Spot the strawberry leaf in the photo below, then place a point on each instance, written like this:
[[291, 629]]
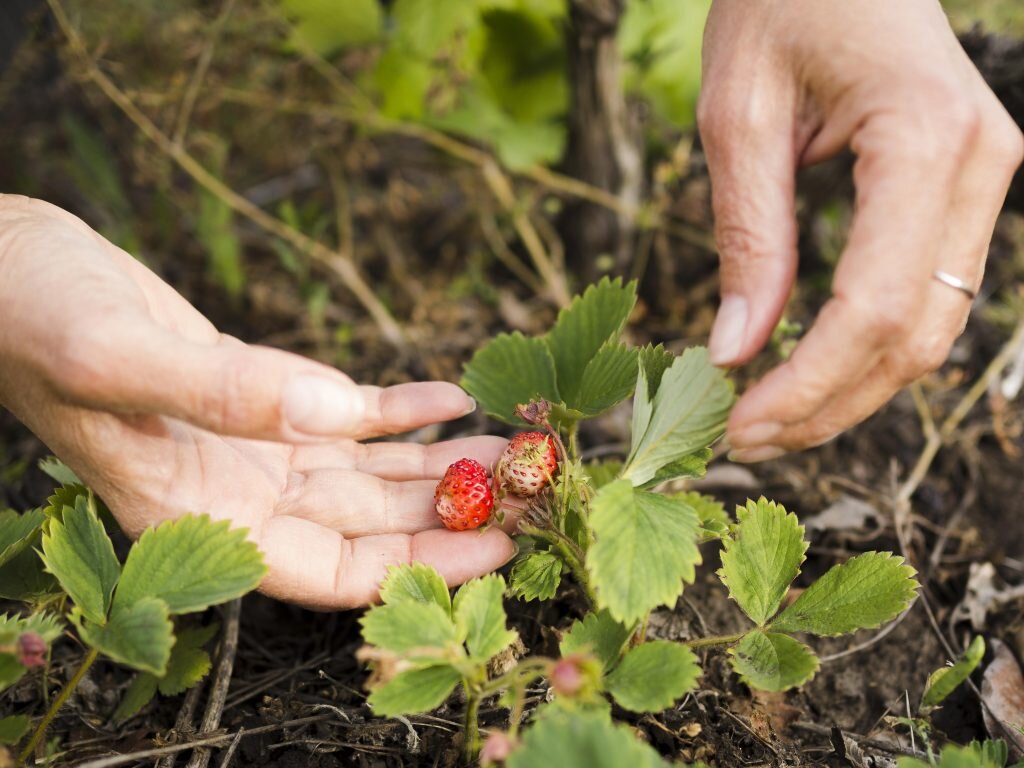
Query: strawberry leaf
[[191, 563], [47, 625], [139, 694], [536, 576], [414, 691], [773, 662], [409, 626], [762, 557], [644, 548], [23, 578], [862, 593], [608, 379], [13, 728], [652, 676], [79, 553], [139, 635], [59, 471], [189, 660], [687, 413], [582, 330], [326, 27], [944, 681], [17, 532], [511, 369], [417, 582], [480, 617], [599, 634]]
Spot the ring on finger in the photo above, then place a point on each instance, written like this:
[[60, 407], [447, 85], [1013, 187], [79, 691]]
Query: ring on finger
[[955, 282]]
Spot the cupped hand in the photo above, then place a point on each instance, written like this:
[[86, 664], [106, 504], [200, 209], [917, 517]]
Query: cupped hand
[[162, 415], [791, 83]]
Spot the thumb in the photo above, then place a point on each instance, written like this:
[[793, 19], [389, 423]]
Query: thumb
[[226, 387], [752, 168]]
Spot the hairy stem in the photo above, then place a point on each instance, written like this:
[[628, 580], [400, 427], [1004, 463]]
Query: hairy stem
[[705, 642], [471, 728], [40, 730]]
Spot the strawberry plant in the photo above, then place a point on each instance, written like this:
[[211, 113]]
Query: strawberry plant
[[629, 547], [60, 561]]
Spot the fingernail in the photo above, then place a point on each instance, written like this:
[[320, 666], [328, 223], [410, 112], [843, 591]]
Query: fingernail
[[729, 330], [472, 406], [751, 455], [316, 405], [756, 434]]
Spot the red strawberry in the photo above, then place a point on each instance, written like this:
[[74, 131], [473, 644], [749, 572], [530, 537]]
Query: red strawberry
[[463, 497], [528, 463]]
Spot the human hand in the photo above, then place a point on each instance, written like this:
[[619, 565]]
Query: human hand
[[162, 415], [791, 83]]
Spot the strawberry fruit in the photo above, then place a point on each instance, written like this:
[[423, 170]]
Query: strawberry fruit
[[528, 463], [463, 498]]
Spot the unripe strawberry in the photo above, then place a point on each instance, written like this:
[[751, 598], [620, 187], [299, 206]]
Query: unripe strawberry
[[31, 650], [529, 462], [497, 748], [463, 498], [576, 676]]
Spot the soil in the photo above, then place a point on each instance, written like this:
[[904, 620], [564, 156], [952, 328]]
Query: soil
[[417, 221]]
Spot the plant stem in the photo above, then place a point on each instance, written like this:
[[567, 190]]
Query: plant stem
[[571, 554], [471, 728], [574, 429], [704, 642], [40, 730]]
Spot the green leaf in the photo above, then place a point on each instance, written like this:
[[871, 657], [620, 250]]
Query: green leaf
[[583, 328], [687, 413], [510, 370], [536, 576], [326, 26], [408, 626], [955, 757], [762, 557], [710, 511], [13, 728], [424, 26], [11, 670], [608, 379], [599, 634], [215, 230], [17, 532], [80, 554], [191, 563], [414, 691], [600, 473], [653, 675], [189, 662], [645, 547], [47, 625], [139, 694], [773, 662], [655, 360], [24, 578], [862, 593], [582, 739], [403, 80], [65, 496], [480, 617], [139, 635], [944, 681], [417, 582], [59, 471], [695, 465]]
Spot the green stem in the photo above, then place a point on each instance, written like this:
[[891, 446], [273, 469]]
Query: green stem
[[40, 730], [471, 730], [574, 450], [519, 675], [704, 642], [571, 554]]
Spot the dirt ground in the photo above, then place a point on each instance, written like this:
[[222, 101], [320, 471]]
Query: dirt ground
[[423, 231]]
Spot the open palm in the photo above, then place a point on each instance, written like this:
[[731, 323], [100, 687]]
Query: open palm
[[163, 415]]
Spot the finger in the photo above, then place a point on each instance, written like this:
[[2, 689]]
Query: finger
[[751, 158], [880, 285], [398, 461], [319, 568], [357, 504], [404, 407]]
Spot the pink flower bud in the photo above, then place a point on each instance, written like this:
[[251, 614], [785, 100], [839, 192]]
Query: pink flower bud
[[31, 650], [497, 748]]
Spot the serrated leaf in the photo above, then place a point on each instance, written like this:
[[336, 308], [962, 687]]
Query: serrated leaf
[[24, 578], [47, 625], [862, 593], [599, 634], [584, 327], [694, 466], [480, 616], [944, 681], [600, 473], [17, 532], [418, 582], [710, 511], [189, 662], [687, 413], [608, 379], [582, 739], [140, 692], [536, 576], [414, 691], [59, 471], [65, 496], [139, 635], [79, 553], [770, 661], [655, 360], [408, 626], [509, 370], [191, 563], [13, 728], [762, 557], [652, 676], [644, 549]]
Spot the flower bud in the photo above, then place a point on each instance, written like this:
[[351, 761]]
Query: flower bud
[[497, 748], [577, 675], [31, 650], [534, 412]]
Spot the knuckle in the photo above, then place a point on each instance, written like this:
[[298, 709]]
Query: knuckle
[[940, 122], [80, 365], [885, 319], [235, 402], [923, 357], [1005, 142]]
